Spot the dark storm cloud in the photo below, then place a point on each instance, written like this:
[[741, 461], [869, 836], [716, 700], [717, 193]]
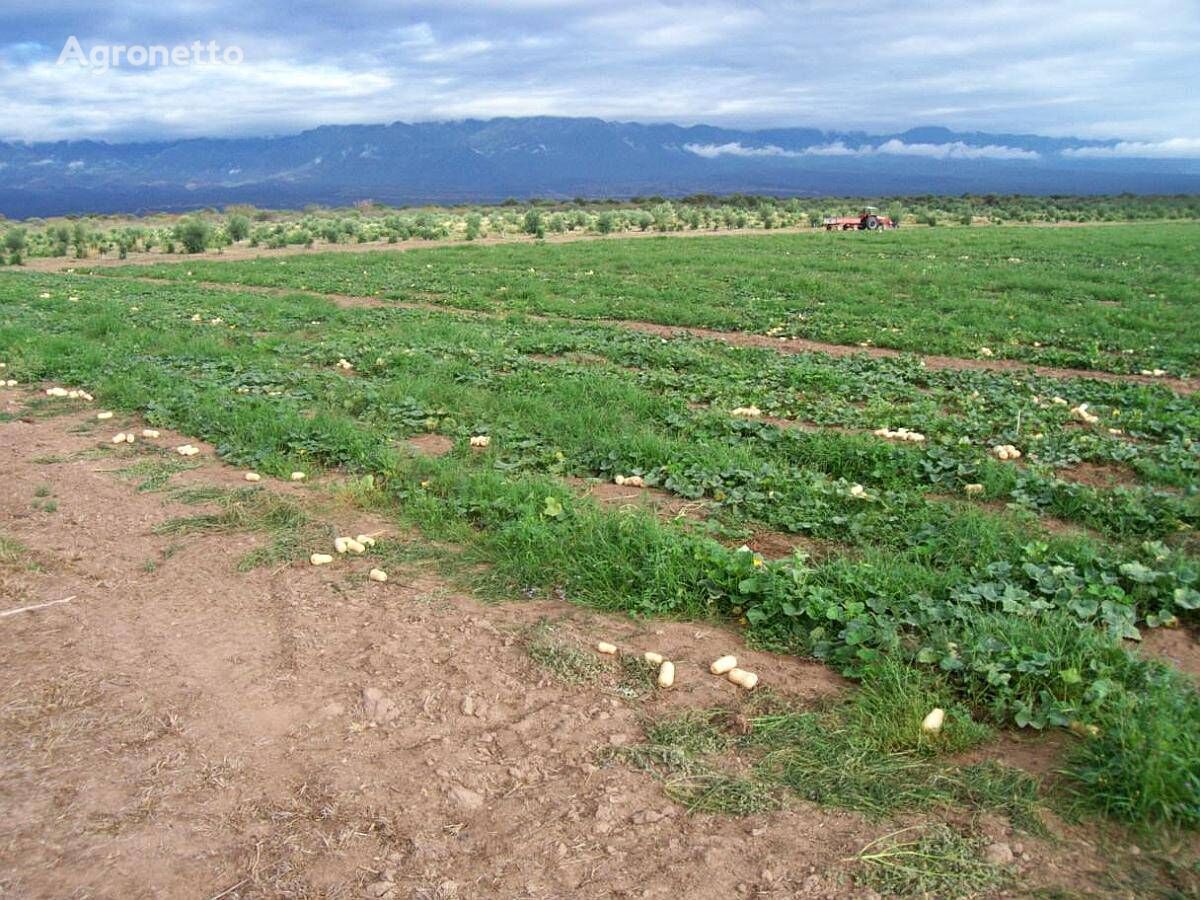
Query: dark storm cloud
[[1094, 69]]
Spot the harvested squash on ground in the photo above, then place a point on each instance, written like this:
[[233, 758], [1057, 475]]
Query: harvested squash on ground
[[743, 679], [723, 665], [666, 674]]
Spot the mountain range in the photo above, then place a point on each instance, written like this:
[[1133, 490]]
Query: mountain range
[[469, 161]]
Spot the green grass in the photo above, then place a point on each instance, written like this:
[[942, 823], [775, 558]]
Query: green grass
[[1081, 297], [928, 861], [153, 473], [716, 760], [1144, 765], [625, 675], [292, 533], [12, 551], [984, 605]]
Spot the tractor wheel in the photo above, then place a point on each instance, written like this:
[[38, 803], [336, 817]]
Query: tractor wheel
[[871, 223]]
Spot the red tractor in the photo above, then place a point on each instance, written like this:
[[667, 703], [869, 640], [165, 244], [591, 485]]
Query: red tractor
[[868, 220]]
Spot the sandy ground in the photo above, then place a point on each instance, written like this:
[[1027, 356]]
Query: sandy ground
[[180, 729]]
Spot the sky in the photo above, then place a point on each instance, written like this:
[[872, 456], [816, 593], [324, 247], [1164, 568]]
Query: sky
[[1094, 69]]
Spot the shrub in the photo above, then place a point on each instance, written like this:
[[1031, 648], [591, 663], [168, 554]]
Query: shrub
[[14, 242], [237, 227], [532, 223], [474, 223], [193, 233]]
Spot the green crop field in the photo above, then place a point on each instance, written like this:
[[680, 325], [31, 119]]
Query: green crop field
[[1117, 298], [1015, 589]]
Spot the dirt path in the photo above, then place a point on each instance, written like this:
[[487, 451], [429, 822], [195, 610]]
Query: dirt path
[[1181, 386]]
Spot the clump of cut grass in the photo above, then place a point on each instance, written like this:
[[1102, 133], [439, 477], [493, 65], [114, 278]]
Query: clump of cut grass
[[152, 473], [928, 861], [635, 678], [676, 754], [625, 675], [564, 660], [838, 756], [11, 550], [291, 530], [693, 733]]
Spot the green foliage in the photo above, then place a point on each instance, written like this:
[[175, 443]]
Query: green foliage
[[1080, 297], [474, 225], [982, 604], [929, 861], [193, 233], [15, 242], [1143, 765], [237, 227]]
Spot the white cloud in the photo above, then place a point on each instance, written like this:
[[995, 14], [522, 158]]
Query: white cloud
[[894, 147], [1174, 148], [455, 51], [954, 150], [712, 151], [1101, 69], [837, 148]]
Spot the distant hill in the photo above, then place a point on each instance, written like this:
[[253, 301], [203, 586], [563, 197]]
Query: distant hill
[[487, 161]]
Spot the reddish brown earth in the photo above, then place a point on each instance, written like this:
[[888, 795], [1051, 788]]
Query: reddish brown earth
[[1101, 475], [1174, 646], [664, 503], [431, 444], [182, 729]]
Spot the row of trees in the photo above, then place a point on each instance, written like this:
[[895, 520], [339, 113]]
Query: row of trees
[[368, 222]]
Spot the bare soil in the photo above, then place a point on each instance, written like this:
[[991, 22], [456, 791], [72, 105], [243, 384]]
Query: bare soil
[[1175, 646], [180, 729], [663, 503], [431, 444], [1101, 475]]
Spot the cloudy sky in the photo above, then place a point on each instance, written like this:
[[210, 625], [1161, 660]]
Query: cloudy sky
[[1087, 68]]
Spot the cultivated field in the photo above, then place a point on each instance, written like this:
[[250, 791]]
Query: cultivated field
[[933, 468]]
